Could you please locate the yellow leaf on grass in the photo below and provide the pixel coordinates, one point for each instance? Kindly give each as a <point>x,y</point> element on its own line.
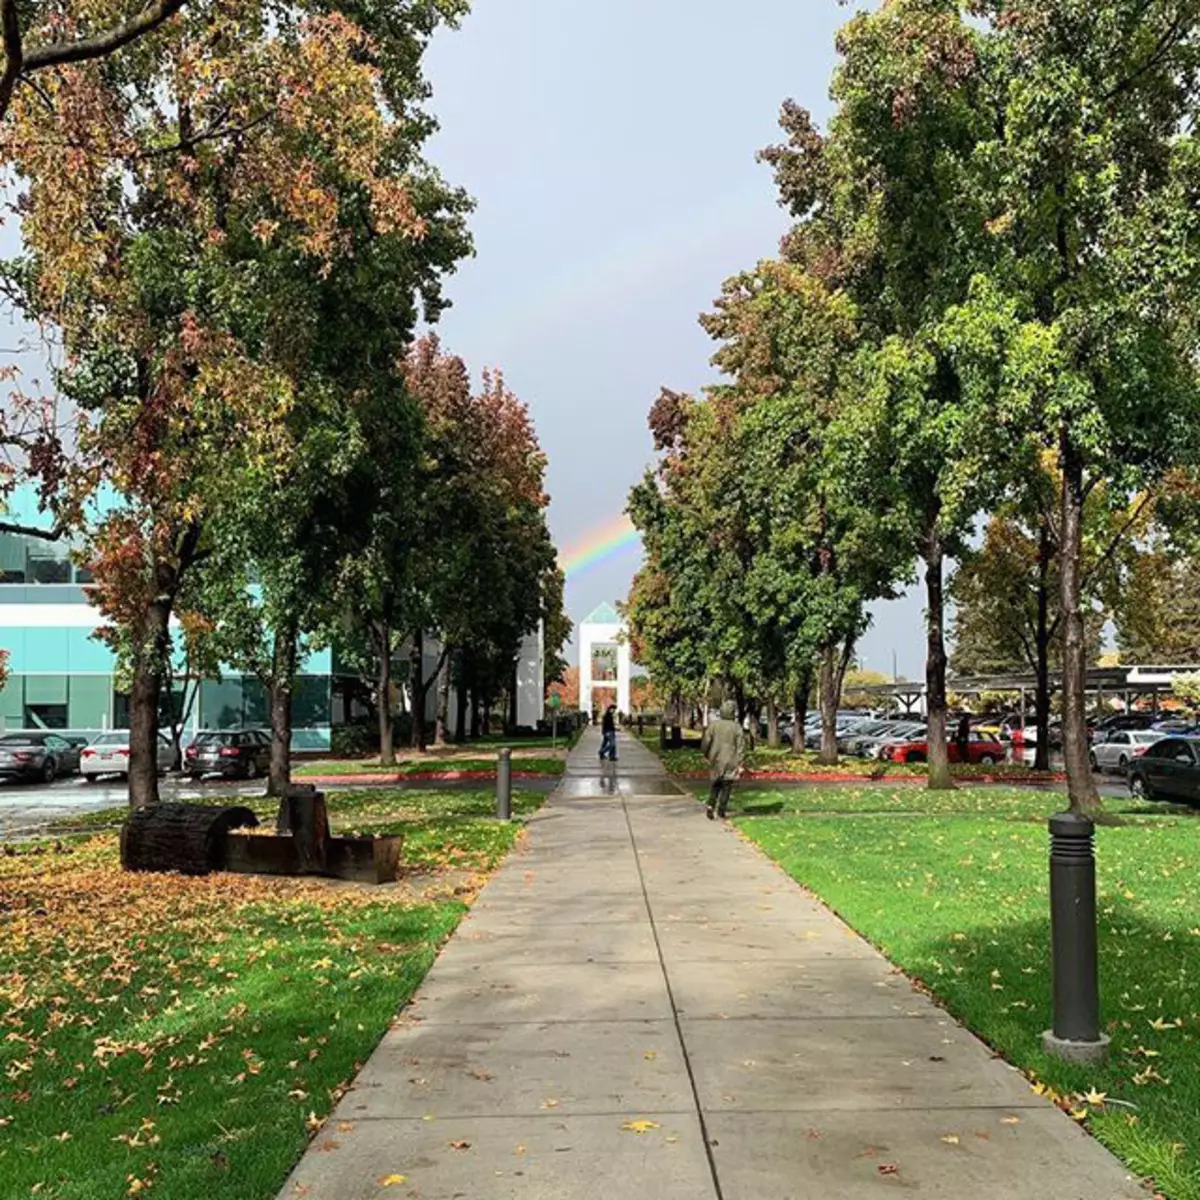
<point>640,1126</point>
<point>1079,1114</point>
<point>1096,1098</point>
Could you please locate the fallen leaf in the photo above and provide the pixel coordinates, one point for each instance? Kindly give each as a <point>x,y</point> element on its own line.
<point>951,1139</point>
<point>392,1180</point>
<point>460,1145</point>
<point>888,1169</point>
<point>1095,1098</point>
<point>640,1126</point>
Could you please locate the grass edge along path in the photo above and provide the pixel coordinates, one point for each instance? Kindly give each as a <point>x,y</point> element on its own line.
<point>169,1037</point>
<point>960,904</point>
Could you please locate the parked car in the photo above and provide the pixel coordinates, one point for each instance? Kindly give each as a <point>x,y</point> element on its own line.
<point>906,731</point>
<point>980,749</point>
<point>1119,721</point>
<point>1176,727</point>
<point>1120,748</point>
<point>847,741</point>
<point>37,756</point>
<point>877,731</point>
<point>231,753</point>
<point>109,755</point>
<point>1168,770</point>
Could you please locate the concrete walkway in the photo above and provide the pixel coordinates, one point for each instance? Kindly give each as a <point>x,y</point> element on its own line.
<point>641,1005</point>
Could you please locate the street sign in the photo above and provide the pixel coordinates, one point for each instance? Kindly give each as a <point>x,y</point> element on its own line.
<point>555,700</point>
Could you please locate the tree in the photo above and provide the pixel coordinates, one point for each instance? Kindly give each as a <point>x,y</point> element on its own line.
<point>881,200</point>
<point>229,168</point>
<point>1081,328</point>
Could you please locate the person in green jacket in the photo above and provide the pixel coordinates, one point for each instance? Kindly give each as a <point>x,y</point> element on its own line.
<point>724,745</point>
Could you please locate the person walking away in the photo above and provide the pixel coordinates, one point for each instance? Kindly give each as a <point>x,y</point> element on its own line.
<point>962,738</point>
<point>724,745</point>
<point>608,730</point>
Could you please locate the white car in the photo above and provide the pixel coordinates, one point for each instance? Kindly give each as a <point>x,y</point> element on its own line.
<point>1121,747</point>
<point>109,755</point>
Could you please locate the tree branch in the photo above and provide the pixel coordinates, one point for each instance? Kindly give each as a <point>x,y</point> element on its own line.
<point>45,535</point>
<point>18,61</point>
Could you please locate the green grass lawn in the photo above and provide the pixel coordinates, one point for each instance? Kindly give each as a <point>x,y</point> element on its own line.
<point>537,764</point>
<point>959,900</point>
<point>181,1038</point>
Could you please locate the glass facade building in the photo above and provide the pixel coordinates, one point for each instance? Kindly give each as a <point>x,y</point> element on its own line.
<point>62,677</point>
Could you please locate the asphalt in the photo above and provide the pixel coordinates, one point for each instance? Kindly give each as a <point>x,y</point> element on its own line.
<point>641,1005</point>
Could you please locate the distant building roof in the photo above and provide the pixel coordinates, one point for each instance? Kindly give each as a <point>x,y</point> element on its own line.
<point>604,615</point>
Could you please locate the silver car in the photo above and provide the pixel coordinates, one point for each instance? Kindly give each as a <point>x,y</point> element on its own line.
<point>907,732</point>
<point>1121,747</point>
<point>109,755</point>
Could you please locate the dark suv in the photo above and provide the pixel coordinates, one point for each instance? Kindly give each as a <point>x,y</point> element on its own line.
<point>231,753</point>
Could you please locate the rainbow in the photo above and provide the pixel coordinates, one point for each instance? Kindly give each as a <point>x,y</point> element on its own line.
<point>599,545</point>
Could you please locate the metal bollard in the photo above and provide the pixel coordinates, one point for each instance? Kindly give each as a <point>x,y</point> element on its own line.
<point>504,785</point>
<point>1076,1034</point>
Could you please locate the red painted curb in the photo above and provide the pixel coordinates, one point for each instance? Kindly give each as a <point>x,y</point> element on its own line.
<point>418,776</point>
<point>842,777</point>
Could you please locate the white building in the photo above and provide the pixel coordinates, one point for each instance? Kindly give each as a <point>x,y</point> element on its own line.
<point>604,662</point>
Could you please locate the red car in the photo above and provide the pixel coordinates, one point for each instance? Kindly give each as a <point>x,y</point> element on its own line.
<point>982,748</point>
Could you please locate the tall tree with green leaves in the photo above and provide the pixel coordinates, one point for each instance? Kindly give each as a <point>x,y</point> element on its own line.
<point>1082,327</point>
<point>881,201</point>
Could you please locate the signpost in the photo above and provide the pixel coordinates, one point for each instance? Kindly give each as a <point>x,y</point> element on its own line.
<point>555,704</point>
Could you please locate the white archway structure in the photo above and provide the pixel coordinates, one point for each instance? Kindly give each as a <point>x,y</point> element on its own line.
<point>603,629</point>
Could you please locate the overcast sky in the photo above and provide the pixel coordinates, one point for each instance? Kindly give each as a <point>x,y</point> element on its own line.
<point>610,148</point>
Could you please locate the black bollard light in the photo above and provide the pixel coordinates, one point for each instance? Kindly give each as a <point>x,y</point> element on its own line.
<point>1076,1034</point>
<point>504,785</point>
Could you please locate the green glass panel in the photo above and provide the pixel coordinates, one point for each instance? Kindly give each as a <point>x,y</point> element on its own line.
<point>256,708</point>
<point>89,702</point>
<point>45,689</point>
<point>221,704</point>
<point>311,701</point>
<point>12,702</point>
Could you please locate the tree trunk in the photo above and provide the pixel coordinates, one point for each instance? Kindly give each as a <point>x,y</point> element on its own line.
<point>476,715</point>
<point>143,706</point>
<point>465,694</point>
<point>772,723</point>
<point>830,697</point>
<point>441,727</point>
<point>800,712</point>
<point>1081,786</point>
<point>283,678</point>
<point>383,688</point>
<point>935,667</point>
<point>1041,760</point>
<point>417,687</point>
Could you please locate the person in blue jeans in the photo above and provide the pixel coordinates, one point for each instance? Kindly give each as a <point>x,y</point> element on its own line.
<point>608,730</point>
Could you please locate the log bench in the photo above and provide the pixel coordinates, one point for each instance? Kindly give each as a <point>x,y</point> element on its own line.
<point>196,839</point>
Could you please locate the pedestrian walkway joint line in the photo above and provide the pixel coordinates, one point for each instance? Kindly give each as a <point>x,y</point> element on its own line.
<point>683,1047</point>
